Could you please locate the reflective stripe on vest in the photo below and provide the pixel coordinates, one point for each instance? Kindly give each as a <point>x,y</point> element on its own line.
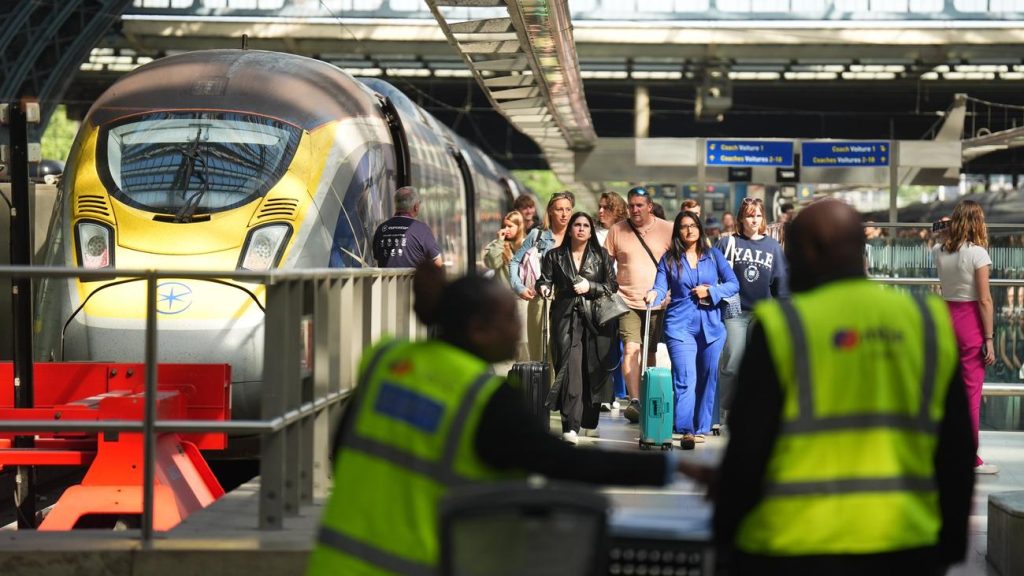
<point>372,554</point>
<point>389,400</point>
<point>864,374</point>
<point>443,471</point>
<point>807,422</point>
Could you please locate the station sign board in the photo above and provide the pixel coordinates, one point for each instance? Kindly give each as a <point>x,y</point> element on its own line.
<point>777,153</point>
<point>845,153</point>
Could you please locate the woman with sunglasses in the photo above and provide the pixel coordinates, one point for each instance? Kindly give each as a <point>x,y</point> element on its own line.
<point>760,266</point>
<point>524,268</point>
<point>698,278</point>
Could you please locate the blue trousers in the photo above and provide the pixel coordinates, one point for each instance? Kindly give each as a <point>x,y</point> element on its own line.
<point>694,380</point>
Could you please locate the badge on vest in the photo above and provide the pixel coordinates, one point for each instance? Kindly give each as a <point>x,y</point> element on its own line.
<point>395,401</point>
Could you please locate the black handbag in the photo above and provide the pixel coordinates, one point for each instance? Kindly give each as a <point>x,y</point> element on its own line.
<point>608,307</point>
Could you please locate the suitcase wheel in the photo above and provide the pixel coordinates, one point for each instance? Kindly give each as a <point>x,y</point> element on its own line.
<point>716,430</point>
<point>644,446</point>
<point>667,446</point>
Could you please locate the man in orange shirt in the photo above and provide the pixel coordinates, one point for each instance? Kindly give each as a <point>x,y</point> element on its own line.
<point>637,244</point>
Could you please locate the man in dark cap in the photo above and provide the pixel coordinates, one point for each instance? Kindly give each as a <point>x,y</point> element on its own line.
<point>850,448</point>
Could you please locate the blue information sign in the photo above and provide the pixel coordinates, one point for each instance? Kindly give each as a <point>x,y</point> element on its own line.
<point>749,153</point>
<point>844,154</point>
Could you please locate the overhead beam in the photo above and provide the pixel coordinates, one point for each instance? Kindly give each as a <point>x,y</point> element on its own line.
<point>526,65</point>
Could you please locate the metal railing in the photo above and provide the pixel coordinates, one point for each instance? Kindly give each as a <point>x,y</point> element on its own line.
<point>988,388</point>
<point>349,310</point>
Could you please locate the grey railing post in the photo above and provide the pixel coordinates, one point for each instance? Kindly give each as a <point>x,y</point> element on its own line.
<point>291,344</point>
<point>148,433</point>
<point>273,401</point>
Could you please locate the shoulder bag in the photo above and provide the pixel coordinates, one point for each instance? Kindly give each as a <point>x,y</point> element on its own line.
<point>609,306</point>
<point>730,305</point>
<point>529,268</point>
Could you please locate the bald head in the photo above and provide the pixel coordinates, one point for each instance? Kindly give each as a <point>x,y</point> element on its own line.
<point>824,242</point>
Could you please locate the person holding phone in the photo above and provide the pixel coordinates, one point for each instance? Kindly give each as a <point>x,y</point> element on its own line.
<point>697,277</point>
<point>964,265</point>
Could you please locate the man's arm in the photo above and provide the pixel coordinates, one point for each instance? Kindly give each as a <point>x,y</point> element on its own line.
<point>508,439</point>
<point>754,422</point>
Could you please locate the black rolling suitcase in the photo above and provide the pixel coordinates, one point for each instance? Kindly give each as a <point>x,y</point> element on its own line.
<point>533,379</point>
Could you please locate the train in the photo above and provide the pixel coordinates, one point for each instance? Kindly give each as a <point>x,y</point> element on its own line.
<point>242,160</point>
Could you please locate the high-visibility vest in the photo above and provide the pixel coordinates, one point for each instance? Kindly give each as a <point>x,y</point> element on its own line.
<point>410,441</point>
<point>864,372</point>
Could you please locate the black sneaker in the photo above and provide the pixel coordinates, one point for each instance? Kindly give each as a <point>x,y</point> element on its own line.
<point>632,412</point>
<point>687,442</point>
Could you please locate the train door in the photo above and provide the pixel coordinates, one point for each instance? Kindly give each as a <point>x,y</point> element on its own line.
<point>469,191</point>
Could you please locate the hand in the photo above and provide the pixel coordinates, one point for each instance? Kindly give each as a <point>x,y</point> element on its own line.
<point>528,294</point>
<point>501,233</point>
<point>545,291</point>
<point>581,287</point>
<point>702,291</point>
<point>650,297</point>
<point>699,472</point>
<point>989,353</point>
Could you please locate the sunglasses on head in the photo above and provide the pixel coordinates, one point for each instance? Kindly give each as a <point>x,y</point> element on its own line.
<point>753,201</point>
<point>637,192</point>
<point>560,195</point>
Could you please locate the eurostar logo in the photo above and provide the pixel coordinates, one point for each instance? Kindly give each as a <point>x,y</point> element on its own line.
<point>173,298</point>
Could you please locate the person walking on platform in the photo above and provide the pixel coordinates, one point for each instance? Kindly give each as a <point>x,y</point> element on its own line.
<point>524,268</point>
<point>760,267</point>
<point>402,241</point>
<point>430,416</point>
<point>525,205</point>
<point>698,278</point>
<point>611,209</point>
<point>850,448</point>
<point>499,252</point>
<point>964,264</point>
<point>497,256</point>
<point>636,244</point>
<point>577,273</point>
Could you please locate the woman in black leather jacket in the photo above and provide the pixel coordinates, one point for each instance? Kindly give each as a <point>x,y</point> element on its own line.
<point>578,271</point>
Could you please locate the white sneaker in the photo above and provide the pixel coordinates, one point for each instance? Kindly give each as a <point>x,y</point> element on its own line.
<point>591,433</point>
<point>571,437</point>
<point>986,469</point>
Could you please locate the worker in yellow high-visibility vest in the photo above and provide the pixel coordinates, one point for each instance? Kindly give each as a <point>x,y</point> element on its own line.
<point>430,416</point>
<point>850,447</point>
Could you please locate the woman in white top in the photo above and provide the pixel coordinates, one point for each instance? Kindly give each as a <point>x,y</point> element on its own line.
<point>963,264</point>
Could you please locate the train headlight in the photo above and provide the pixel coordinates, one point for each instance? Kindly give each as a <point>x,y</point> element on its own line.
<point>263,247</point>
<point>95,248</point>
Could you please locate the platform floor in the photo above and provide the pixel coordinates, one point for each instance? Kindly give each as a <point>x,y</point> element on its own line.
<point>223,540</point>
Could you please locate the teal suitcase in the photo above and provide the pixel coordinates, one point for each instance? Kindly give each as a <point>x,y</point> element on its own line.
<point>656,409</point>
<point>656,400</point>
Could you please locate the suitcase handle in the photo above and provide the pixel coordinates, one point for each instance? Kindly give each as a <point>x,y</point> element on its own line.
<point>647,336</point>
<point>545,336</point>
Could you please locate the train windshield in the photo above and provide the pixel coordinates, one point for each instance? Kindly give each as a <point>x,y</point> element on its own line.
<point>186,162</point>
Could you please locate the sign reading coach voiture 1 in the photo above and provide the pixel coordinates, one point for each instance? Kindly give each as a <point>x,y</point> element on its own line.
<point>844,153</point>
<point>777,153</point>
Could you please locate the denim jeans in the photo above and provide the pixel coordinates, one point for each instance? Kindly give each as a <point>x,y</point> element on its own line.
<point>737,330</point>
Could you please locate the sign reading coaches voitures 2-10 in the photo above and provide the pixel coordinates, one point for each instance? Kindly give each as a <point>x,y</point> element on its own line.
<point>844,153</point>
<point>777,153</point>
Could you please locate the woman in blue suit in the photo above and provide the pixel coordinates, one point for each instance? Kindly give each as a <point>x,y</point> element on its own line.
<point>698,277</point>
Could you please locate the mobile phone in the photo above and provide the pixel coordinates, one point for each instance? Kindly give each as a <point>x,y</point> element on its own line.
<point>940,225</point>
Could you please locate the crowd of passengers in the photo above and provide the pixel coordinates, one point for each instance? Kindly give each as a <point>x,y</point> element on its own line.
<point>699,280</point>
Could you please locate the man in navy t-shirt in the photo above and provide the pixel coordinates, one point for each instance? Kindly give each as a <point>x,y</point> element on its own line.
<point>402,241</point>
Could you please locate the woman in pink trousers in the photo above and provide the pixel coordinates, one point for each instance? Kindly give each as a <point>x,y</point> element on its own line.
<point>964,264</point>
